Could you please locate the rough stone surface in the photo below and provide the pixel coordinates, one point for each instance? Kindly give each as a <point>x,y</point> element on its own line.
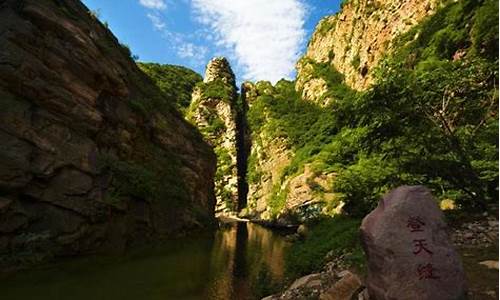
<point>409,253</point>
<point>222,123</point>
<point>479,233</point>
<point>343,289</point>
<point>314,285</point>
<point>303,281</point>
<point>302,188</point>
<point>363,295</point>
<point>305,193</point>
<point>270,157</point>
<point>355,40</point>
<point>219,69</point>
<point>66,92</point>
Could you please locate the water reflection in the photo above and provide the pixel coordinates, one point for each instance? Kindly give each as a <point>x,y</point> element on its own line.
<point>245,258</point>
<point>241,261</point>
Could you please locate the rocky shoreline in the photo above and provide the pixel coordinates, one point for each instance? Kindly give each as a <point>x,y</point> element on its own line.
<point>334,281</point>
<point>338,281</point>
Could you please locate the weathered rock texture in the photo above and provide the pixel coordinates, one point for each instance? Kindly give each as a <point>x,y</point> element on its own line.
<point>220,69</point>
<point>332,283</point>
<point>216,110</point>
<point>344,289</point>
<point>269,157</point>
<point>91,156</point>
<point>354,40</point>
<point>409,253</point>
<point>340,58</point>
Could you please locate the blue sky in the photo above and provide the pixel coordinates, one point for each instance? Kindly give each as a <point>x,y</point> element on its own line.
<point>262,38</point>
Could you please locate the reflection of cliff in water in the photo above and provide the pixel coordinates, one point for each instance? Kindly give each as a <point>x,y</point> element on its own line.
<point>246,260</point>
<point>241,261</point>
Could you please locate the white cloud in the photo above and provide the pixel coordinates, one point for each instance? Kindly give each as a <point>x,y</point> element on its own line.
<point>264,36</point>
<point>157,21</point>
<point>154,4</point>
<point>197,54</point>
<point>179,43</point>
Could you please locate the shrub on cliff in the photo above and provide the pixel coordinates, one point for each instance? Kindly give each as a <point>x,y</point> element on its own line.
<point>216,89</point>
<point>176,82</point>
<point>431,117</point>
<point>438,126</point>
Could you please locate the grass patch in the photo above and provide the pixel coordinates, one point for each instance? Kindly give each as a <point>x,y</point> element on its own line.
<point>482,282</point>
<point>277,201</point>
<point>340,234</point>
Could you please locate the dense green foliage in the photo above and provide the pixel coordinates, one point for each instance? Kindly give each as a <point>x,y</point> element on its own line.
<point>339,234</point>
<point>431,117</point>
<point>176,82</point>
<point>336,89</point>
<point>467,25</point>
<point>307,128</point>
<point>216,89</point>
<point>440,129</point>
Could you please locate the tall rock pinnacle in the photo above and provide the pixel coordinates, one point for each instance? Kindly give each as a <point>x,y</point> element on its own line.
<point>219,68</point>
<point>220,117</point>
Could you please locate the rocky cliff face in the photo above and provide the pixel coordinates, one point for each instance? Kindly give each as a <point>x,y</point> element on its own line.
<point>274,190</point>
<point>218,112</point>
<point>340,59</point>
<point>92,156</point>
<point>268,158</point>
<point>354,40</point>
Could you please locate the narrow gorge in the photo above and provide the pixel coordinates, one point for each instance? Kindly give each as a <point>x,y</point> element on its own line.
<point>128,179</point>
<point>313,146</point>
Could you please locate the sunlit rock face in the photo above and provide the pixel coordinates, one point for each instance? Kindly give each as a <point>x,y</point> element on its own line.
<point>269,158</point>
<point>91,155</point>
<point>220,69</point>
<point>216,110</point>
<point>354,40</point>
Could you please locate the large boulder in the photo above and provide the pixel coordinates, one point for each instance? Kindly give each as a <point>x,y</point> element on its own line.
<point>409,253</point>
<point>344,289</point>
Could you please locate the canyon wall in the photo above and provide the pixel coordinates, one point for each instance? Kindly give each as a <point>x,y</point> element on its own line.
<point>92,155</point>
<point>354,40</point>
<point>292,176</point>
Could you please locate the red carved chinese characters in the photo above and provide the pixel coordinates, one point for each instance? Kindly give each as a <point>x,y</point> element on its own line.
<point>424,271</point>
<point>415,224</point>
<point>421,245</point>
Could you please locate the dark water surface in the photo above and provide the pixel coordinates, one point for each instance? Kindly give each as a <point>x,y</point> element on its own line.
<point>241,261</point>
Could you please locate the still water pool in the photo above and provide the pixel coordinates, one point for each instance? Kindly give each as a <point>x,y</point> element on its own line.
<point>241,261</point>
